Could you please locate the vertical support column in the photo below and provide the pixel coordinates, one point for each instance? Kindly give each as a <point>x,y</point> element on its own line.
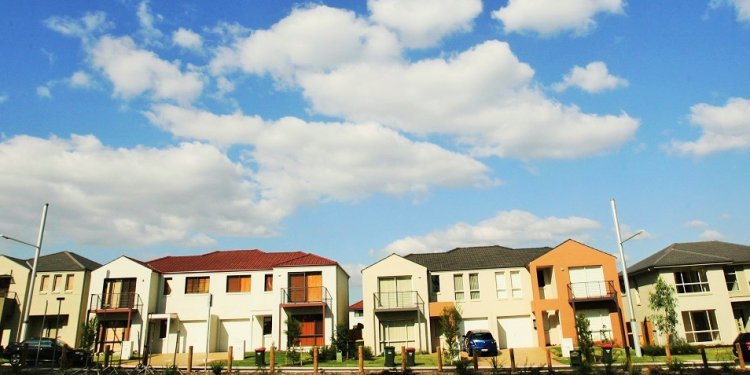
<point>229,359</point>
<point>549,360</point>
<point>440,358</point>
<point>403,359</point>
<point>512,361</point>
<point>272,359</point>
<point>315,360</point>
<point>361,354</point>
<point>190,359</point>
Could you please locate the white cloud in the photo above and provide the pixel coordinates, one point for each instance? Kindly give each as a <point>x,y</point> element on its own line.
<point>723,128</point>
<point>187,39</point>
<point>181,195</point>
<point>3,98</point>
<point>422,23</point>
<point>84,28</point>
<point>151,35</point>
<point>80,79</point>
<point>593,78</point>
<point>514,228</point>
<point>742,7</point>
<point>43,91</point>
<point>710,235</point>
<point>696,224</point>
<point>483,96</point>
<point>134,71</point>
<point>299,162</point>
<point>551,17</point>
<point>295,43</point>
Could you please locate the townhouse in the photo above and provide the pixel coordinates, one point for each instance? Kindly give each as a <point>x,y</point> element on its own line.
<point>711,283</point>
<point>524,297</point>
<point>58,301</point>
<point>238,298</point>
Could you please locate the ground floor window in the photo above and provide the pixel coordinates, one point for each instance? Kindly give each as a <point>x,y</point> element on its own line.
<point>397,333</point>
<point>700,326</point>
<point>267,325</point>
<point>311,329</point>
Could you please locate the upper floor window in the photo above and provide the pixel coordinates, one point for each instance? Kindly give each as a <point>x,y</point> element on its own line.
<point>238,284</point>
<point>474,286</point>
<point>57,283</point>
<point>268,283</point>
<point>69,282</point>
<point>458,286</point>
<point>515,284</point>
<point>730,275</point>
<point>501,285</point>
<point>196,285</point>
<point>691,281</point>
<point>44,284</point>
<point>167,290</point>
<point>435,282</point>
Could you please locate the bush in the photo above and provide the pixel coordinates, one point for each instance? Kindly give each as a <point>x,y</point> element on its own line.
<point>367,353</point>
<point>681,346</point>
<point>325,353</point>
<point>653,350</point>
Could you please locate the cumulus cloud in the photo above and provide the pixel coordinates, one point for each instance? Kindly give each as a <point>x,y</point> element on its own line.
<point>138,196</point>
<point>151,35</point>
<point>423,23</point>
<point>742,7</point>
<point>552,17</point>
<point>80,79</point>
<point>723,128</point>
<point>295,44</point>
<point>483,96</point>
<point>187,39</point>
<point>593,78</point>
<point>85,28</point>
<point>3,98</point>
<point>43,91</point>
<point>302,162</point>
<point>514,228</point>
<point>710,235</point>
<point>696,224</point>
<point>134,71</point>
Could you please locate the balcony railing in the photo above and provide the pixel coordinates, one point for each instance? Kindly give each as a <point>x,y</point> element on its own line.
<point>116,301</point>
<point>306,295</point>
<point>592,290</point>
<point>408,300</point>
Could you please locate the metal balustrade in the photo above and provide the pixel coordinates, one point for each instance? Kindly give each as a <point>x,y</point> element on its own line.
<point>592,290</point>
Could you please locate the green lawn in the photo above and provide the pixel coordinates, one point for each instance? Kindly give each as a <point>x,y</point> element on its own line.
<point>712,354</point>
<point>429,360</point>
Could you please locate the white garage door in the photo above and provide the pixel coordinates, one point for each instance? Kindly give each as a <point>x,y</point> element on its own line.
<point>474,324</point>
<point>193,334</point>
<point>232,333</point>
<point>515,332</point>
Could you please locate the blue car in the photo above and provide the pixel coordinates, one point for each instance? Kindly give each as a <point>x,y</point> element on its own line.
<point>481,342</point>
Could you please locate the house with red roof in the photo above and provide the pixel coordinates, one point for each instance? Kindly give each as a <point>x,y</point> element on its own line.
<point>237,298</point>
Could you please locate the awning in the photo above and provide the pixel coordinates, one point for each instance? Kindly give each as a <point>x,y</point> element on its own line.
<point>436,308</point>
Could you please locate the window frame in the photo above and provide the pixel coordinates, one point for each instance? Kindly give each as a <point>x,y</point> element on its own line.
<point>731,272</point>
<point>692,335</point>
<point>239,278</point>
<point>268,287</point>
<point>57,283</point>
<point>516,287</point>
<point>44,283</point>
<point>435,283</point>
<point>474,292</point>
<point>191,282</point>
<point>458,290</point>
<point>686,285</point>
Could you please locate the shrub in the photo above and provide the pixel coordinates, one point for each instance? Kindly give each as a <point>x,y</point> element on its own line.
<point>681,346</point>
<point>653,350</point>
<point>367,353</point>
<point>217,367</point>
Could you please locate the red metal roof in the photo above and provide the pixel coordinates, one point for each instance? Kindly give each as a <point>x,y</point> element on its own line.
<point>237,260</point>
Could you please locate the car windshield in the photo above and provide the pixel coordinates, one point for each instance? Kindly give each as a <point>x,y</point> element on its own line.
<point>481,336</point>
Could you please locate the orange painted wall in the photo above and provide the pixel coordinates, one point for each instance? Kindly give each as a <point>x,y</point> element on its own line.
<point>573,254</point>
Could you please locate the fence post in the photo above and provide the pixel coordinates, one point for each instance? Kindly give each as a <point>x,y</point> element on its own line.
<point>628,359</point>
<point>63,356</point>
<point>24,354</point>
<point>190,359</point>
<point>361,353</point>
<point>475,360</point>
<point>403,359</point>
<point>703,357</point>
<point>315,360</point>
<point>549,360</point>
<point>512,361</point>
<point>740,356</point>
<point>272,359</point>
<point>107,354</point>
<point>229,360</point>
<point>440,358</point>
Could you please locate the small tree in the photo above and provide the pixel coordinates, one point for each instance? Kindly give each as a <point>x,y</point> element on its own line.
<point>88,333</point>
<point>450,328</point>
<point>585,341</point>
<point>293,333</point>
<point>341,340</point>
<point>663,302</point>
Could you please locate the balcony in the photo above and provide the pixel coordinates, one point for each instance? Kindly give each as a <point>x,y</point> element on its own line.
<point>591,291</point>
<point>305,296</point>
<point>115,302</point>
<point>398,301</point>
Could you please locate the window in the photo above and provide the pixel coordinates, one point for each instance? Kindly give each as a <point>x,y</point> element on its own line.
<point>267,325</point>
<point>57,283</point>
<point>515,284</point>
<point>691,281</point>
<point>700,326</point>
<point>358,313</point>
<point>167,290</point>
<point>458,286</point>
<point>730,275</point>
<point>268,283</point>
<point>501,285</point>
<point>44,284</point>
<point>195,285</point>
<point>474,286</point>
<point>238,284</point>
<point>162,328</point>
<point>69,282</point>
<point>435,281</point>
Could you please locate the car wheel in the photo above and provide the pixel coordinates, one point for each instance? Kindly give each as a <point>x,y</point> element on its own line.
<point>15,358</point>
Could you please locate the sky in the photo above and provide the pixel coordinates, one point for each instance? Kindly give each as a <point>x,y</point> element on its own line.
<point>356,129</point>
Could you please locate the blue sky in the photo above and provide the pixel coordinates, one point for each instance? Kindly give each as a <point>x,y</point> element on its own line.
<point>357,129</point>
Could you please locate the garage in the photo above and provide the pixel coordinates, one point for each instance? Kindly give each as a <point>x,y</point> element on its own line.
<point>232,333</point>
<point>515,332</point>
<point>474,324</point>
<point>193,333</point>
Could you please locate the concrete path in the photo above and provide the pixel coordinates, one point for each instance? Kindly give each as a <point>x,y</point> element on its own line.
<point>525,357</point>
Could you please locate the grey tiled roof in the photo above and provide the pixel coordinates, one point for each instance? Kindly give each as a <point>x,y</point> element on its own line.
<point>693,253</point>
<point>63,261</point>
<point>473,258</point>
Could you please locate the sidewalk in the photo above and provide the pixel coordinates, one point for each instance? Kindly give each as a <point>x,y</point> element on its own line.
<point>181,359</point>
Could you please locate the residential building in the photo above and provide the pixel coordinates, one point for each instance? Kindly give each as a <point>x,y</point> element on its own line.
<point>711,284</point>
<point>356,314</point>
<point>524,297</point>
<point>239,298</point>
<point>58,301</point>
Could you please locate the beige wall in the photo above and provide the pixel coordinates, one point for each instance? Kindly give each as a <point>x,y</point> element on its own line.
<point>45,304</point>
<point>390,266</point>
<point>11,324</point>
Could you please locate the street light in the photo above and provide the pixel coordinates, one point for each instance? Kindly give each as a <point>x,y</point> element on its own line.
<point>57,329</point>
<point>633,325</point>
<point>30,289</point>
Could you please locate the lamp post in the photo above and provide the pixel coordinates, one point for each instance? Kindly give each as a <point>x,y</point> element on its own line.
<point>620,241</point>
<point>30,289</point>
<point>57,328</point>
